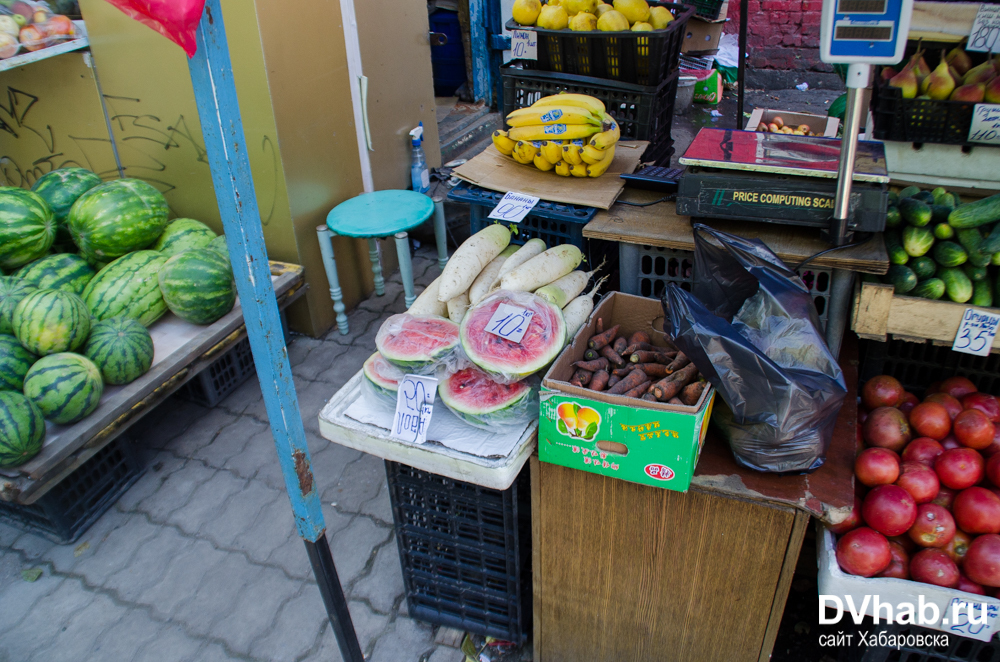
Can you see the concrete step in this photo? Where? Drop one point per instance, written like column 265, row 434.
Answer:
column 457, row 142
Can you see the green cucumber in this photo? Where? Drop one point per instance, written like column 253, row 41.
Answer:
column 915, row 212
column 944, row 231
column 982, row 294
column 976, row 213
column 995, row 260
column 949, row 254
column 938, row 193
column 924, row 196
column 892, row 218
column 992, row 242
column 902, row 278
column 972, row 241
column 894, row 245
column 932, row 288
column 957, row 285
column 940, row 213
column 909, row 191
column 923, row 266
column 974, row 273
column 893, row 198
column 917, row 241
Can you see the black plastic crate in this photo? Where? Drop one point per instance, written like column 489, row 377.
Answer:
column 959, row 649
column 642, row 112
column 67, row 510
column 465, row 551
column 917, row 365
column 710, row 10
column 640, row 58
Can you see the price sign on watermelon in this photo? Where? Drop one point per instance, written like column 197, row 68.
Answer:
column 414, row 408
column 509, row 322
column 976, row 332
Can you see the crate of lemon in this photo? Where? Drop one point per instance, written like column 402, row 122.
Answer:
column 568, row 134
column 631, row 41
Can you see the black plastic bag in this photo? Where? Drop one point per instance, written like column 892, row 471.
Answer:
column 750, row 326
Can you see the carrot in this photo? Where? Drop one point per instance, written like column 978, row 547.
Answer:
column 635, row 347
column 655, row 370
column 638, row 390
column 602, row 339
column 623, row 372
column 592, row 366
column 591, row 354
column 613, row 380
column 620, row 344
column 599, row 381
column 637, row 337
column 692, row 393
column 612, row 356
column 649, row 397
column 628, row 383
column 600, row 325
column 644, row 356
column 675, row 401
column 671, row 386
column 679, row 362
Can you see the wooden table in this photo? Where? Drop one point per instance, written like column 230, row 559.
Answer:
column 624, row 571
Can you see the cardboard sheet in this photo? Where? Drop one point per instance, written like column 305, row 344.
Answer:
column 491, row 169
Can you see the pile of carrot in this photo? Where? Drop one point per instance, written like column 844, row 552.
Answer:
column 635, row 368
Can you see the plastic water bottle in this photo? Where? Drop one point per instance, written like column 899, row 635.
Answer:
column 419, row 175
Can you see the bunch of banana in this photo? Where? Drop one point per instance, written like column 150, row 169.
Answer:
column 568, row 133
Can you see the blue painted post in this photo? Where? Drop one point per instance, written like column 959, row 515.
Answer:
column 479, row 40
column 222, row 128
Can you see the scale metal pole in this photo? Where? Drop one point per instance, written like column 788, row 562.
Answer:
column 858, row 76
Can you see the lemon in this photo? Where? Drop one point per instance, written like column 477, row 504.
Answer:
column 583, row 22
column 636, row 11
column 660, row 17
column 603, row 7
column 526, row 11
column 642, row 27
column 574, row 7
column 612, row 21
column 554, row 3
column 553, row 17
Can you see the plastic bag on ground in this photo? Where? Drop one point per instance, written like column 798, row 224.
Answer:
column 751, row 328
column 177, row 20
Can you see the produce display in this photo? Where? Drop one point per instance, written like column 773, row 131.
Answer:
column 777, row 125
column 382, row 378
column 15, row 361
column 939, row 247
column 31, row 26
column 128, row 287
column 27, row 227
column 65, row 387
column 929, row 475
column 12, row 290
column 116, row 218
column 182, row 234
column 568, row 134
column 198, row 285
column 954, row 78
column 121, row 348
column 22, row 429
column 60, row 189
column 592, row 15
column 61, row 271
column 477, row 399
column 51, row 321
column 417, row 344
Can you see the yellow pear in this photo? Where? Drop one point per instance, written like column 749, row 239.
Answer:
column 526, row 11
column 553, row 17
column 642, row 27
column 583, row 22
column 603, row 7
column 636, row 11
column 554, row 3
column 574, row 7
column 659, row 17
column 612, row 21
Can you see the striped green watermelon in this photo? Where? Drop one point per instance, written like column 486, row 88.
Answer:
column 65, row 387
column 22, row 429
column 121, row 348
column 128, row 287
column 198, row 285
column 96, row 265
column 12, row 290
column 62, row 271
column 116, row 218
column 417, row 344
column 61, row 188
column 51, row 321
column 27, row 227
column 219, row 245
column 182, row 234
column 473, row 396
column 15, row 361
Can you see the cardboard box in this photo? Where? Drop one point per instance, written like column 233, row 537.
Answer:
column 819, row 124
column 651, row 443
column 702, row 35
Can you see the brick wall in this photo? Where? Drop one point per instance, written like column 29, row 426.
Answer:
column 781, row 34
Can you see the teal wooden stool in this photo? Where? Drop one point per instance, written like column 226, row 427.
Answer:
column 372, row 216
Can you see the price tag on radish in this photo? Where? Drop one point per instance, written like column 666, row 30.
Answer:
column 985, row 127
column 509, row 322
column 976, row 332
column 985, row 34
column 513, row 207
column 414, row 408
column 524, row 44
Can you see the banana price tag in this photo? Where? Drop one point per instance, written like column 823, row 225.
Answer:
column 513, row 207
column 985, row 34
column 985, row 127
column 524, row 44
column 509, row 322
column 976, row 332
column 414, row 408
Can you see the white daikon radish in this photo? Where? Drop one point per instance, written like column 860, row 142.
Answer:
column 481, row 286
column 457, row 307
column 578, row 310
column 563, row 290
column 543, row 269
column 470, row 259
column 530, row 249
column 427, row 303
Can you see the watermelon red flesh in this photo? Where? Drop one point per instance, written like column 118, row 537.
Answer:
column 27, row 227
column 416, row 342
column 384, row 377
column 22, row 429
column 541, row 343
column 116, row 218
column 62, row 271
column 474, row 396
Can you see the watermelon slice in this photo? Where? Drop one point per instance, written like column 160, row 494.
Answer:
column 382, row 377
column 417, row 344
column 476, row 398
column 505, row 359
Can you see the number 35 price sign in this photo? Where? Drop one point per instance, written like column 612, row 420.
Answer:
column 976, row 332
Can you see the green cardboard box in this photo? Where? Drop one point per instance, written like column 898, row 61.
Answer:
column 652, row 443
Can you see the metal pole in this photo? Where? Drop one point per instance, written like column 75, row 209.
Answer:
column 742, row 68
column 222, row 129
column 857, row 80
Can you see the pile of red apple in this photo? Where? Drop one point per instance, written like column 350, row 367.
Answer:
column 929, row 475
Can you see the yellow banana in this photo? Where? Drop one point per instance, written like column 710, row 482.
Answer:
column 599, row 169
column 542, row 164
column 548, row 115
column 552, row 151
column 571, row 153
column 562, row 168
column 607, row 138
column 553, row 132
column 591, row 154
column 525, row 152
column 503, row 144
column 579, row 170
column 580, row 100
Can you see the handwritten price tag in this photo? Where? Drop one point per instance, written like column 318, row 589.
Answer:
column 976, row 332
column 509, row 322
column 524, row 44
column 985, row 124
column 414, row 408
column 513, row 207
column 985, row 34
column 985, row 617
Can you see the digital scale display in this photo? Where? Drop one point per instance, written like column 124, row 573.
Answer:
column 854, row 32
column 861, row 7
column 864, row 31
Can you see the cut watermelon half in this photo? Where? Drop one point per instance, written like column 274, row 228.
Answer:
column 478, row 399
column 506, row 359
column 382, row 377
column 416, row 344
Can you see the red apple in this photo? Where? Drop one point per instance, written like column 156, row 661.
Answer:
column 930, row 419
column 876, row 466
column 959, row 468
column 887, row 427
column 950, row 442
column 985, row 403
column 908, row 402
column 881, row 391
column 993, row 469
column 934, row 526
column 863, row 552
column 899, row 567
column 953, row 406
column 922, row 449
column 932, row 566
column 958, row 387
column 852, row 521
column 994, row 447
column 967, row 585
column 977, row 510
column 945, row 497
column 958, row 546
column 974, row 429
column 889, row 509
column 982, row 561
column 919, row 480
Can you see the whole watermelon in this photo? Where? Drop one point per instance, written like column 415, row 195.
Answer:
column 128, row 287
column 27, row 227
column 62, row 271
column 198, row 285
column 65, row 387
column 96, row 265
column 15, row 361
column 61, row 188
column 121, row 348
column 22, row 429
column 182, row 234
column 12, row 290
column 116, row 218
column 51, row 321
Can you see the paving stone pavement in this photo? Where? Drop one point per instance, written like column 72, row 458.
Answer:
column 200, row 560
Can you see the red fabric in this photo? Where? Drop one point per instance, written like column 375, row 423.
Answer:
column 177, row 20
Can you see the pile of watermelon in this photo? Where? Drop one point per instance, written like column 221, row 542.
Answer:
column 85, row 267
